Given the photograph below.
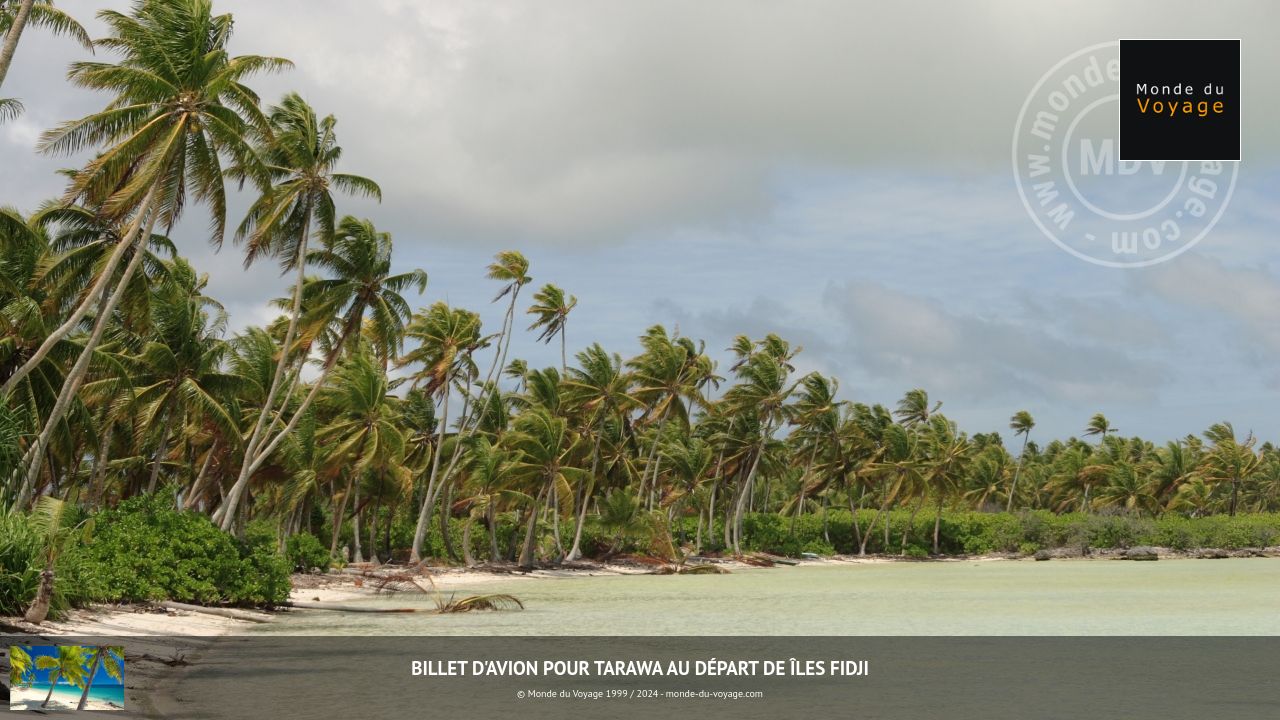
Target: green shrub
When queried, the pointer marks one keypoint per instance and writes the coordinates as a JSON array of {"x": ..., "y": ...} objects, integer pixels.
[
  {"x": 20, "y": 564},
  {"x": 305, "y": 552},
  {"x": 146, "y": 550}
]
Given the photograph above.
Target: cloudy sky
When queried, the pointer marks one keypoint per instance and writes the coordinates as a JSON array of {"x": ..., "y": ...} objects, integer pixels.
[{"x": 836, "y": 172}]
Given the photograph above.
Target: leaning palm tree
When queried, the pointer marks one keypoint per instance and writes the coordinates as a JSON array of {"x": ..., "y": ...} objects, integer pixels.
[
  {"x": 552, "y": 310},
  {"x": 178, "y": 372},
  {"x": 179, "y": 109},
  {"x": 447, "y": 340},
  {"x": 300, "y": 153},
  {"x": 20, "y": 666},
  {"x": 67, "y": 664},
  {"x": 599, "y": 391},
  {"x": 1099, "y": 426},
  {"x": 1230, "y": 461},
  {"x": 544, "y": 445},
  {"x": 1021, "y": 424},
  {"x": 361, "y": 287},
  {"x": 914, "y": 408},
  {"x": 512, "y": 268},
  {"x": 108, "y": 657},
  {"x": 50, "y": 520},
  {"x": 759, "y": 397},
  {"x": 364, "y": 433},
  {"x": 15, "y": 15}
]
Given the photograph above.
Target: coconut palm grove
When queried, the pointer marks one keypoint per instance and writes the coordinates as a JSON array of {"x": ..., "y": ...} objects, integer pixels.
[{"x": 148, "y": 452}]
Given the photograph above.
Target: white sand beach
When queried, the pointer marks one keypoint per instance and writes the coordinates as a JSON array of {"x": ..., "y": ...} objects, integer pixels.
[{"x": 64, "y": 698}]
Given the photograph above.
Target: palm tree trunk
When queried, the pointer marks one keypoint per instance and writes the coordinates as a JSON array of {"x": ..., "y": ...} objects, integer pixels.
[
  {"x": 526, "y": 551},
  {"x": 88, "y": 684},
  {"x": 575, "y": 552},
  {"x": 99, "y": 463},
  {"x": 166, "y": 428},
  {"x": 373, "y": 535},
  {"x": 39, "y": 609},
  {"x": 11, "y": 38},
  {"x": 226, "y": 513},
  {"x": 446, "y": 513},
  {"x": 467, "y": 558},
  {"x": 53, "y": 683},
  {"x": 492, "y": 522},
  {"x": 555, "y": 523},
  {"x": 826, "y": 533},
  {"x": 746, "y": 492},
  {"x": 290, "y": 332},
  {"x": 884, "y": 507},
  {"x": 911, "y": 525},
  {"x": 357, "y": 555},
  {"x": 74, "y": 378},
  {"x": 803, "y": 478},
  {"x": 338, "y": 513},
  {"x": 937, "y": 525},
  {"x": 1013, "y": 488},
  {"x": 653, "y": 460},
  {"x": 96, "y": 292},
  {"x": 424, "y": 514},
  {"x": 193, "y": 494}
]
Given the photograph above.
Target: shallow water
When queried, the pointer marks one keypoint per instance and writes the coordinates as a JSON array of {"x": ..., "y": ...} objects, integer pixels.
[{"x": 1168, "y": 597}]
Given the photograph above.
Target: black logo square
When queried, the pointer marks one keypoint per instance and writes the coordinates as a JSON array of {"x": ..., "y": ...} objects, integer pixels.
[{"x": 1179, "y": 99}]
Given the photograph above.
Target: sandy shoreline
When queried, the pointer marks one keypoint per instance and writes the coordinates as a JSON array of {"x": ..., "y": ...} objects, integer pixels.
[
  {"x": 366, "y": 581},
  {"x": 64, "y": 698},
  {"x": 164, "y": 641}
]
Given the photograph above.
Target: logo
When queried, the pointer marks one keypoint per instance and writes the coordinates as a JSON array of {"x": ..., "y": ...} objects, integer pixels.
[
  {"x": 1082, "y": 196},
  {"x": 1180, "y": 99}
]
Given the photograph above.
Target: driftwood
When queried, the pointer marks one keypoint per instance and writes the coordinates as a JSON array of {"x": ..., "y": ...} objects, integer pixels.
[
  {"x": 220, "y": 612},
  {"x": 780, "y": 560},
  {"x": 339, "y": 607}
]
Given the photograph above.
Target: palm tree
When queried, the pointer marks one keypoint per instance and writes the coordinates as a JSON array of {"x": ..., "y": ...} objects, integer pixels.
[
  {"x": 488, "y": 467},
  {"x": 300, "y": 152},
  {"x": 948, "y": 455},
  {"x": 897, "y": 468},
  {"x": 552, "y": 311},
  {"x": 109, "y": 657},
  {"x": 816, "y": 415},
  {"x": 670, "y": 377},
  {"x": 447, "y": 339},
  {"x": 600, "y": 392},
  {"x": 544, "y": 444},
  {"x": 180, "y": 107},
  {"x": 15, "y": 15},
  {"x": 1126, "y": 488},
  {"x": 913, "y": 408},
  {"x": 361, "y": 283},
  {"x": 1229, "y": 461},
  {"x": 67, "y": 664},
  {"x": 1173, "y": 466},
  {"x": 760, "y": 396},
  {"x": 689, "y": 459},
  {"x": 50, "y": 520},
  {"x": 511, "y": 268},
  {"x": 1099, "y": 426},
  {"x": 178, "y": 373},
  {"x": 363, "y": 436},
  {"x": 1021, "y": 424}
]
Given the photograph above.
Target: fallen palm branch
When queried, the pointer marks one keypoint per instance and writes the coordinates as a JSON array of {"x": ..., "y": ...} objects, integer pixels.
[{"x": 496, "y": 601}]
